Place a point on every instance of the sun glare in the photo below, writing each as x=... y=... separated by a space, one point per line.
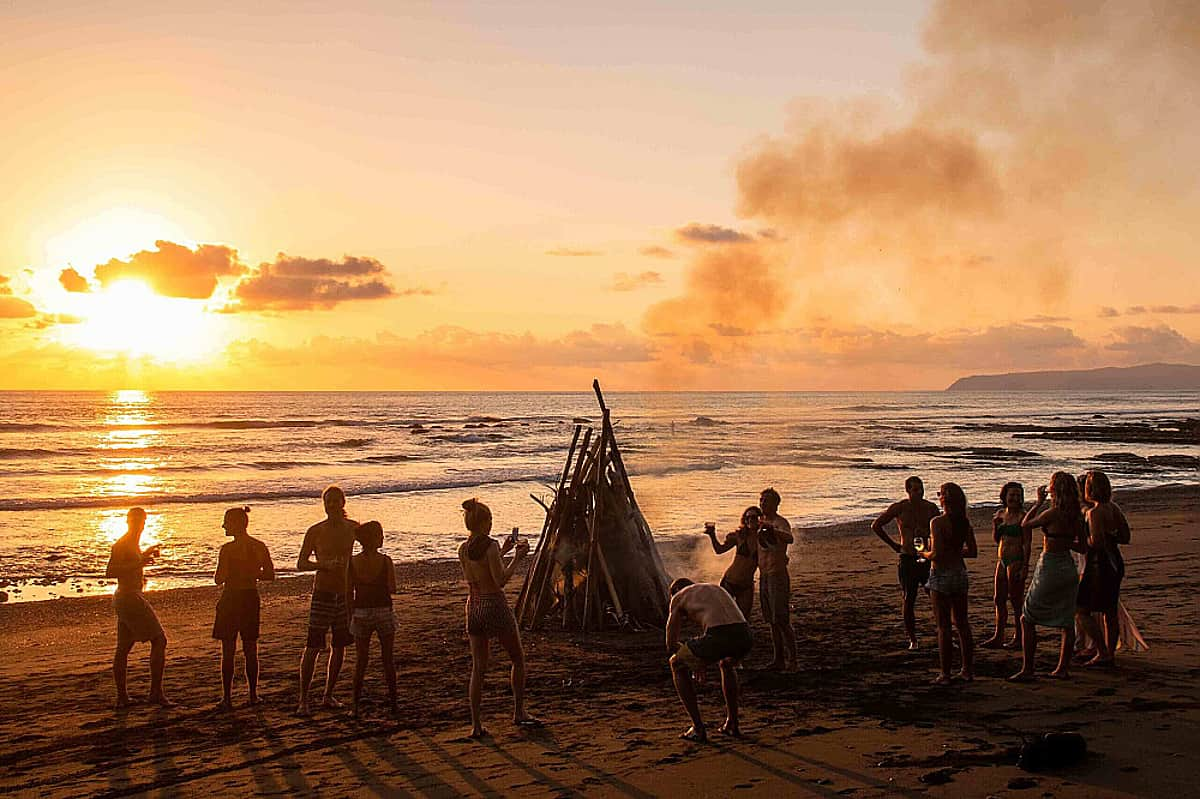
x=113 y=233
x=128 y=318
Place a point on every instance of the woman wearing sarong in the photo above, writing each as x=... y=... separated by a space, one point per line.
x=1050 y=600
x=488 y=613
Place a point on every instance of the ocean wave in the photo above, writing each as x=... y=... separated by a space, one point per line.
x=352 y=443
x=13 y=454
x=151 y=500
x=28 y=427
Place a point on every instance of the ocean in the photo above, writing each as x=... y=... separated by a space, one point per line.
x=71 y=463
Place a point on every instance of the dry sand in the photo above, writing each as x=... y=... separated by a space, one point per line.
x=859 y=719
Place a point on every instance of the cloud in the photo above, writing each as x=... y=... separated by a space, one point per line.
x=655 y=251
x=292 y=283
x=694 y=232
x=1109 y=312
x=1044 y=319
x=623 y=281
x=1154 y=344
x=1175 y=309
x=174 y=270
x=73 y=281
x=15 y=308
x=46 y=320
x=567 y=252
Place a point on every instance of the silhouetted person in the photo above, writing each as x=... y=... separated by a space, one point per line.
x=1014 y=553
x=739 y=577
x=136 y=620
x=1100 y=584
x=774 y=582
x=1050 y=599
x=487 y=610
x=372 y=583
x=241 y=563
x=726 y=640
x=950 y=540
x=912 y=517
x=332 y=541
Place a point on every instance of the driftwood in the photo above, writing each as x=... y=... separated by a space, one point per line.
x=595 y=561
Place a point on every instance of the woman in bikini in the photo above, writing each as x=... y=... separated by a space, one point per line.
x=1100 y=585
x=950 y=540
x=739 y=577
x=488 y=613
x=1015 y=544
x=372 y=581
x=1050 y=600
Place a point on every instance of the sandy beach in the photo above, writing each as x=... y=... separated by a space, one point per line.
x=858 y=719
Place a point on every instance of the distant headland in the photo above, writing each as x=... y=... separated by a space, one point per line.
x=1147 y=377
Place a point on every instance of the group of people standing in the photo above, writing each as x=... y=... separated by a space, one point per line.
x=352 y=593
x=1075 y=515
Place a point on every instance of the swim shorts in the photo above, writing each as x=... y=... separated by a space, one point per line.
x=136 y=620
x=373 y=620
x=328 y=612
x=717 y=643
x=775 y=596
x=913 y=574
x=237 y=615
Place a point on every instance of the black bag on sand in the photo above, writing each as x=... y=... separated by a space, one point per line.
x=1052 y=750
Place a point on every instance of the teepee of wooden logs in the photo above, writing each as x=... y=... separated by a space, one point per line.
x=595 y=566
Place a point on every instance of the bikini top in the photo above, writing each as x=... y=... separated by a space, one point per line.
x=372 y=593
x=1009 y=529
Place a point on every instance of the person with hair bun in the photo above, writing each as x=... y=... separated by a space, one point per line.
x=487 y=610
x=372 y=582
x=241 y=564
x=1050 y=600
x=951 y=539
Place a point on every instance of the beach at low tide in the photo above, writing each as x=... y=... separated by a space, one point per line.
x=858 y=719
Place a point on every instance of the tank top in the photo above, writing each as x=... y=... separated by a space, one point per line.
x=373 y=593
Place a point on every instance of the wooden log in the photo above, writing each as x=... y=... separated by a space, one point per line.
x=608 y=580
x=597 y=495
x=539 y=550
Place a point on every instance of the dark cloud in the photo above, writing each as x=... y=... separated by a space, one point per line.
x=292 y=283
x=1043 y=319
x=655 y=251
x=623 y=281
x=1109 y=312
x=1154 y=344
x=73 y=281
x=567 y=252
x=1175 y=309
x=174 y=270
x=711 y=234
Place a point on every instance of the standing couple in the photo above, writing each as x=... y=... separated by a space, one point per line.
x=760 y=544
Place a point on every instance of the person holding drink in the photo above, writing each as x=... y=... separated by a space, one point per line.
x=739 y=577
x=332 y=541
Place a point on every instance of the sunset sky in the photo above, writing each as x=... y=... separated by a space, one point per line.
x=481 y=195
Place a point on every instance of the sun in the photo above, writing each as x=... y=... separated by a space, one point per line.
x=128 y=318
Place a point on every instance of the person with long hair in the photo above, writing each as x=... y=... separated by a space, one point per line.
x=951 y=539
x=739 y=577
x=1050 y=600
x=1015 y=545
x=372 y=580
x=1100 y=585
x=488 y=613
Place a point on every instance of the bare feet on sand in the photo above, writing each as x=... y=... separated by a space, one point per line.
x=1023 y=676
x=303 y=709
x=477 y=733
x=965 y=676
x=695 y=736
x=913 y=646
x=160 y=700
x=224 y=706
x=126 y=702
x=1060 y=674
x=941 y=679
x=1100 y=662
x=331 y=703
x=528 y=722
x=731 y=729
x=1013 y=643
x=995 y=642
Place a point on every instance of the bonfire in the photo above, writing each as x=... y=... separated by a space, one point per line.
x=595 y=566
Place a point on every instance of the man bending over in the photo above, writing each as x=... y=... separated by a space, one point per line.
x=726 y=640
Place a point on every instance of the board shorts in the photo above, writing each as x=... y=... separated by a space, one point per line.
x=237 y=615
x=912 y=574
x=743 y=595
x=1050 y=600
x=328 y=613
x=489 y=615
x=1100 y=585
x=952 y=582
x=381 y=621
x=136 y=620
x=717 y=644
x=775 y=597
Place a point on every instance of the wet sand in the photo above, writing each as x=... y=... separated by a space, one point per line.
x=859 y=719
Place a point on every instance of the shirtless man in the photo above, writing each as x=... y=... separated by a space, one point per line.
x=136 y=620
x=912 y=516
x=726 y=640
x=774 y=582
x=332 y=540
x=241 y=563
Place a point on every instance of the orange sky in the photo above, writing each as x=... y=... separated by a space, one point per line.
x=753 y=195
